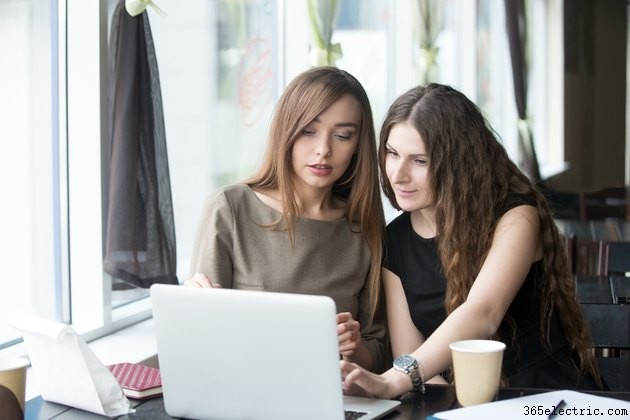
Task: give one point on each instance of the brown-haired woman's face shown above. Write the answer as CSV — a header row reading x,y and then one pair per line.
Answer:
x,y
322,152
407,168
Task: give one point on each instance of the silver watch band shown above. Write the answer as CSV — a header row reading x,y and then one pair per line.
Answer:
x,y
408,364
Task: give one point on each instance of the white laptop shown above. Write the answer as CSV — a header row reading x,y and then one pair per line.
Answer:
x,y
235,354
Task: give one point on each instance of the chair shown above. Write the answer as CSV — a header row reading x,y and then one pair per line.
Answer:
x,y
609,323
565,204
607,203
588,257
570,247
616,259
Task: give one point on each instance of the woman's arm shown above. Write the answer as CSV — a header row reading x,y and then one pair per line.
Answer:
x,y
404,335
515,246
212,250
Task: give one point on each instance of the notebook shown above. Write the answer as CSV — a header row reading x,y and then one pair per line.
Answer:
x,y
236,354
137,381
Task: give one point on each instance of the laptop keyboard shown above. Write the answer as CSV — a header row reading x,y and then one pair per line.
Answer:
x,y
351,415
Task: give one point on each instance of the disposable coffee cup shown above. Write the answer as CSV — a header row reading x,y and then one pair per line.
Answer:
x,y
477,368
12,387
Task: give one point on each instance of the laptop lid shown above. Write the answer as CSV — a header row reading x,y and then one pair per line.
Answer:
x,y
235,354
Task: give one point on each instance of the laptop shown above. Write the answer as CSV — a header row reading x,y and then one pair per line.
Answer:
x,y
237,354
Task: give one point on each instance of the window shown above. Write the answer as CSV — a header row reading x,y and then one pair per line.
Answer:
x,y
30,165
222,66
218,94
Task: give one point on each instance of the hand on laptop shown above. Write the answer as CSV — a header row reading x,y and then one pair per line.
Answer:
x,y
360,382
199,280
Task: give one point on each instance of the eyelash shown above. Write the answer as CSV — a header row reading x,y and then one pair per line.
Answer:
x,y
342,137
391,152
395,154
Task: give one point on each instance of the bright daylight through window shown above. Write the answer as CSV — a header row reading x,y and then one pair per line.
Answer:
x,y
222,64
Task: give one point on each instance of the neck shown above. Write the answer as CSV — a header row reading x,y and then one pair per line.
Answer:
x,y
318,203
315,204
423,223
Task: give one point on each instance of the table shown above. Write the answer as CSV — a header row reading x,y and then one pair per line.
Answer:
x,y
437,398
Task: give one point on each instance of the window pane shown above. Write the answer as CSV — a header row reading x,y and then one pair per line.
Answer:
x,y
364,23
29,216
495,87
218,74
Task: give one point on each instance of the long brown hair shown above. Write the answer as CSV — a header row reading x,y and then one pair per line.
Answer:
x,y
307,96
471,176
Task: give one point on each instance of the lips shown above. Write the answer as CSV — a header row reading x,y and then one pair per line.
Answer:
x,y
403,193
320,169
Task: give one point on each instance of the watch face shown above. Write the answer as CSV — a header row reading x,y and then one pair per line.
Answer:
x,y
404,361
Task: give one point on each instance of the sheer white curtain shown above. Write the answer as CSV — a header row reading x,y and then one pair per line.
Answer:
x,y
430,15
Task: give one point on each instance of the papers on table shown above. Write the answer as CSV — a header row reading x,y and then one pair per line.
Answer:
x,y
66,369
541,406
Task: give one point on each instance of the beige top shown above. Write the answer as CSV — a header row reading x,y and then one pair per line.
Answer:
x,y
234,249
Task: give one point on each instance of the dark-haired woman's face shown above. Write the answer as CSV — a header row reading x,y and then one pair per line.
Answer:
x,y
407,168
324,149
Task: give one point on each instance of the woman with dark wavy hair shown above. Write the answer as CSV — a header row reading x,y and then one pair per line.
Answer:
x,y
475,254
311,219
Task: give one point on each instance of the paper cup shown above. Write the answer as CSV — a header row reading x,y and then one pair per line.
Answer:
x,y
12,387
477,367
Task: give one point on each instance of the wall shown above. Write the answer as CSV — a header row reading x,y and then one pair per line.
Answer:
x,y
595,94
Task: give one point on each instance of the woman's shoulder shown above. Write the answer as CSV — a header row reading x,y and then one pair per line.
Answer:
x,y
230,196
233,190
399,224
400,220
519,205
515,199
232,193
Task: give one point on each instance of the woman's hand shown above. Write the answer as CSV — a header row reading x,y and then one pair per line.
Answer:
x,y
349,332
200,280
360,382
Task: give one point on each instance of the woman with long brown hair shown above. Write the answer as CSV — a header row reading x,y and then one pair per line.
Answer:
x,y
475,254
311,219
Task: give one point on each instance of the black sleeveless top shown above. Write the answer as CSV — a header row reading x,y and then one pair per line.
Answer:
x,y
527,362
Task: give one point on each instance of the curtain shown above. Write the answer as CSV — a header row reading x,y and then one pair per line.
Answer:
x,y
431,22
516,25
322,17
140,233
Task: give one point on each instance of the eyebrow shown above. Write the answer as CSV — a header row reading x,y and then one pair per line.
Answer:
x,y
416,155
341,124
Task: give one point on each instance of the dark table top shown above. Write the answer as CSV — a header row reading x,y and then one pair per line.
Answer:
x,y
437,398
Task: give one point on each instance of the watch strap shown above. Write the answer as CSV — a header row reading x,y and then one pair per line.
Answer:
x,y
413,370
416,379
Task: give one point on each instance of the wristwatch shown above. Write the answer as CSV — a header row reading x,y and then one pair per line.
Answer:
x,y
408,364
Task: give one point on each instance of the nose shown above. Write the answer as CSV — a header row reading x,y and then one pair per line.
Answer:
x,y
398,173
322,146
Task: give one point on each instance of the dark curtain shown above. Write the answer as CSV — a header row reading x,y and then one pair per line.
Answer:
x,y
516,25
140,235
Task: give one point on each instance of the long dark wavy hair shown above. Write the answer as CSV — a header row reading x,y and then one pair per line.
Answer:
x,y
307,96
471,176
